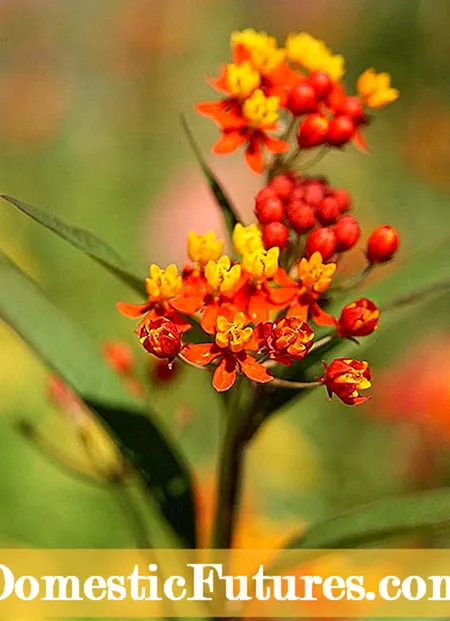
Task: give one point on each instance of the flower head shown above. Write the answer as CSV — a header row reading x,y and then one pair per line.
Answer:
x,y
232,334
315,275
261,49
314,55
161,338
287,339
261,264
247,238
222,276
375,89
346,378
204,248
359,318
162,284
261,112
241,80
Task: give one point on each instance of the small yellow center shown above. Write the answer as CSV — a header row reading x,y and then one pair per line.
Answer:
x,y
162,284
222,276
314,55
242,80
264,52
204,248
261,111
261,264
247,238
355,376
314,274
233,335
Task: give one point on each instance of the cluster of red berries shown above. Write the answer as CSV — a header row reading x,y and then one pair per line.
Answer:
x,y
310,206
332,116
306,205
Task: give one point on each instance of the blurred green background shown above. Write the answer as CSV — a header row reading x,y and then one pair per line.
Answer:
x,y
90,97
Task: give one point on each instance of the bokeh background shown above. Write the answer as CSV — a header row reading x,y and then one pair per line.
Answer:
x,y
90,97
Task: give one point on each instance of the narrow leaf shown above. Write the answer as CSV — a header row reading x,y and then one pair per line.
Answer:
x,y
379,521
85,241
67,350
229,213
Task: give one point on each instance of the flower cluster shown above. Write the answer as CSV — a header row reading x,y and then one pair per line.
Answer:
x,y
257,308
300,83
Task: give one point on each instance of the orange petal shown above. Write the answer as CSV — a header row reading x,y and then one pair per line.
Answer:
x,y
281,296
229,142
254,156
360,142
225,374
254,370
201,354
321,317
282,279
209,318
187,304
132,310
240,54
259,307
299,310
275,145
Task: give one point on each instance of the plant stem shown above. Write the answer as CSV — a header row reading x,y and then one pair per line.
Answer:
x,y
357,279
281,383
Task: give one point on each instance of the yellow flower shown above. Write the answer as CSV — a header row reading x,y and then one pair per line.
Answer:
x,y
242,79
233,334
163,284
263,49
261,264
261,111
204,248
314,274
375,89
222,276
314,55
247,238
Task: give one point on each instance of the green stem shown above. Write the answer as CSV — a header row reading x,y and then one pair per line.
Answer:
x,y
355,280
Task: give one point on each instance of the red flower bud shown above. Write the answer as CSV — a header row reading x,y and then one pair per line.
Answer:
x,y
340,130
286,340
336,98
314,192
321,83
382,244
353,107
302,99
282,185
343,198
269,210
275,234
359,318
321,240
301,216
313,131
347,233
265,192
346,378
328,211
161,338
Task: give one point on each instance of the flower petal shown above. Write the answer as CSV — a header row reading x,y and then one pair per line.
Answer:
x,y
187,304
254,370
229,142
225,374
321,317
133,310
254,156
201,354
276,145
281,296
209,318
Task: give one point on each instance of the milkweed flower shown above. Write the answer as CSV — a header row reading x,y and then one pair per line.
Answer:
x,y
359,318
375,89
233,340
161,338
346,378
286,339
314,55
247,238
163,287
205,247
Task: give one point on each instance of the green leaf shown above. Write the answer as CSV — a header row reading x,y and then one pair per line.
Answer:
x,y
85,241
67,350
378,521
229,213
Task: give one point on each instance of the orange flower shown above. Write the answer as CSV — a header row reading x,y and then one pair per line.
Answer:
x,y
246,122
230,349
163,288
314,279
256,296
161,338
359,318
346,378
286,339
